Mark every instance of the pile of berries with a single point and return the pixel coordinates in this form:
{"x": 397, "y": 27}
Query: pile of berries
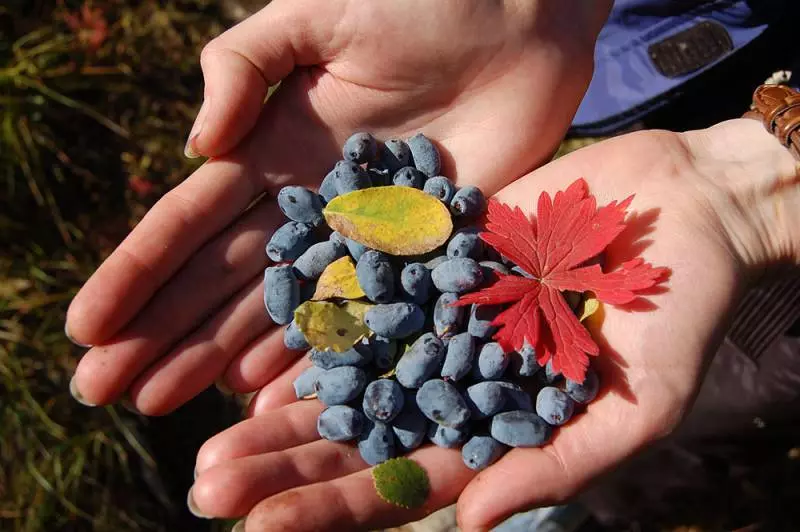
{"x": 428, "y": 369}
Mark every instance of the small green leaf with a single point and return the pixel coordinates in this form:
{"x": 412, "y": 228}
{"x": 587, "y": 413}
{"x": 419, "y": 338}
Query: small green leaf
{"x": 395, "y": 220}
{"x": 334, "y": 326}
{"x": 402, "y": 482}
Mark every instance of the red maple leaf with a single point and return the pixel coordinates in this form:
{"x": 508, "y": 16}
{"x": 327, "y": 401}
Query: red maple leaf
{"x": 569, "y": 230}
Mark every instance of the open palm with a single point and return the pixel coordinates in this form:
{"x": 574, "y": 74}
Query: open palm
{"x": 275, "y": 469}
{"x": 178, "y": 304}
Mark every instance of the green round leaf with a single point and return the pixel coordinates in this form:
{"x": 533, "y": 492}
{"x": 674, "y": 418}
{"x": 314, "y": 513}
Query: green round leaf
{"x": 402, "y": 482}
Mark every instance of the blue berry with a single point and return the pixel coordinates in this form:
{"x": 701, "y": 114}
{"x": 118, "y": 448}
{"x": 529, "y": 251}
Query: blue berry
{"x": 529, "y": 366}
{"x": 281, "y": 293}
{"x": 480, "y": 320}
{"x": 340, "y": 423}
{"x": 289, "y": 241}
{"x": 375, "y": 276}
{"x": 356, "y": 249}
{"x": 441, "y": 403}
{"x": 300, "y": 205}
{"x": 358, "y": 355}
{"x": 349, "y": 177}
{"x": 447, "y": 319}
{"x": 465, "y": 243}
{"x": 410, "y": 427}
{"x": 383, "y": 400}
{"x": 519, "y": 428}
{"x": 376, "y": 443}
{"x": 304, "y": 384}
{"x": 383, "y": 350}
{"x": 338, "y": 238}
{"x": 436, "y": 261}
{"x": 469, "y": 201}
{"x": 550, "y": 376}
{"x": 482, "y": 451}
{"x": 360, "y": 148}
{"x": 340, "y": 385}
{"x": 416, "y": 282}
{"x": 409, "y": 177}
{"x": 492, "y": 362}
{"x": 586, "y": 391}
{"x": 516, "y": 397}
{"x": 327, "y": 189}
{"x": 395, "y": 155}
{"x": 457, "y": 275}
{"x": 441, "y": 188}
{"x": 294, "y": 339}
{"x": 425, "y": 155}
{"x": 520, "y": 271}
{"x": 554, "y": 406}
{"x": 447, "y": 437}
{"x": 460, "y": 355}
{"x": 493, "y": 266}
{"x": 420, "y": 362}
{"x": 311, "y": 264}
{"x": 485, "y": 399}
{"x": 395, "y": 320}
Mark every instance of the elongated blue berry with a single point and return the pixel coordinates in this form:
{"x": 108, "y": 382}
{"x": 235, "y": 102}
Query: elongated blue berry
{"x": 376, "y": 276}
{"x": 586, "y": 391}
{"x": 410, "y": 427}
{"x": 395, "y": 155}
{"x": 416, "y": 282}
{"x": 465, "y": 243}
{"x": 441, "y": 402}
{"x": 447, "y": 437}
{"x": 519, "y": 428}
{"x": 356, "y": 249}
{"x": 383, "y": 400}
{"x": 528, "y": 365}
{"x": 358, "y": 355}
{"x": 338, "y": 238}
{"x": 311, "y": 264}
{"x": 294, "y": 339}
{"x": 480, "y": 320}
{"x": 409, "y": 177}
{"x": 492, "y": 362}
{"x": 395, "y": 320}
{"x": 516, "y": 397}
{"x": 340, "y": 423}
{"x": 485, "y": 399}
{"x": 494, "y": 266}
{"x": 436, "y": 261}
{"x": 447, "y": 319}
{"x": 482, "y": 451}
{"x": 425, "y": 155}
{"x": 300, "y": 205}
{"x": 457, "y": 275}
{"x": 360, "y": 148}
{"x": 376, "y": 443}
{"x": 420, "y": 362}
{"x": 327, "y": 189}
{"x": 554, "y": 406}
{"x": 441, "y": 188}
{"x": 550, "y": 376}
{"x": 340, "y": 385}
{"x": 304, "y": 384}
{"x": 383, "y": 350}
{"x": 520, "y": 271}
{"x": 469, "y": 201}
{"x": 459, "y": 358}
{"x": 281, "y": 293}
{"x": 349, "y": 177}
{"x": 289, "y": 241}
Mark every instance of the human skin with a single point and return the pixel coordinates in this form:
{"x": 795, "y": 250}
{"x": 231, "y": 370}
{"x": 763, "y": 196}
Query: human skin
{"x": 177, "y": 306}
{"x": 717, "y": 207}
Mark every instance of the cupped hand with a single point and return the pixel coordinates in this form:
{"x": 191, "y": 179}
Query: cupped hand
{"x": 274, "y": 469}
{"x": 178, "y": 304}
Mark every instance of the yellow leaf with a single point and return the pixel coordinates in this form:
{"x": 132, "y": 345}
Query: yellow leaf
{"x": 338, "y": 281}
{"x": 334, "y": 326}
{"x": 395, "y": 220}
{"x": 590, "y": 306}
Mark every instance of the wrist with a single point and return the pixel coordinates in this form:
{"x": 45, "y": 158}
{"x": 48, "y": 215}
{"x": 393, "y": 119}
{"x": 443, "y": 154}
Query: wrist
{"x": 752, "y": 185}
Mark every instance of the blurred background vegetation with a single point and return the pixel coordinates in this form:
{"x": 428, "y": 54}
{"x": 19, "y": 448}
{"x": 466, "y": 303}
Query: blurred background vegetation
{"x": 96, "y": 100}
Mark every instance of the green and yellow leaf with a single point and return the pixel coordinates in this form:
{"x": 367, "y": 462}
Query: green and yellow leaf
{"x": 334, "y": 326}
{"x": 589, "y": 307}
{"x": 402, "y": 482}
{"x": 339, "y": 281}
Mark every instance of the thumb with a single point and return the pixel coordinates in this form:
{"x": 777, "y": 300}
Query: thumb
{"x": 240, "y": 65}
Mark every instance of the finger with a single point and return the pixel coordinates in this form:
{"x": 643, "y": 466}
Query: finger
{"x": 242, "y": 63}
{"x": 174, "y": 228}
{"x": 216, "y": 272}
{"x": 279, "y": 392}
{"x": 273, "y": 431}
{"x": 351, "y": 503}
{"x": 199, "y": 359}
{"x": 259, "y": 363}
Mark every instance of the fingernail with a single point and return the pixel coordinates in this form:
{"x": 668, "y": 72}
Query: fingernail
{"x": 128, "y": 405}
{"x": 238, "y": 527}
{"x": 190, "y": 150}
{"x": 73, "y": 340}
{"x": 192, "y": 507}
{"x": 73, "y": 390}
{"x": 222, "y": 387}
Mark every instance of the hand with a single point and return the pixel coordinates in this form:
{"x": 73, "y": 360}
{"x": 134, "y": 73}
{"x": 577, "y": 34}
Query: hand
{"x": 699, "y": 197}
{"x": 178, "y": 304}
